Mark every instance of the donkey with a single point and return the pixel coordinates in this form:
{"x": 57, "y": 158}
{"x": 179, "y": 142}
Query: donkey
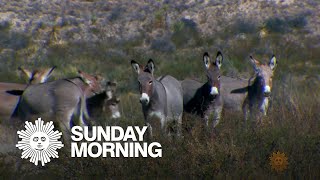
{"x": 161, "y": 98}
{"x": 111, "y": 107}
{"x": 63, "y": 101}
{"x": 105, "y": 103}
{"x": 204, "y": 99}
{"x": 9, "y": 92}
{"x": 259, "y": 88}
{"x": 232, "y": 102}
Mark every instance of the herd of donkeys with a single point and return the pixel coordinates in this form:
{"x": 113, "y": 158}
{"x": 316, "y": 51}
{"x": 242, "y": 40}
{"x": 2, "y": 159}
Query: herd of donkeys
{"x": 74, "y": 101}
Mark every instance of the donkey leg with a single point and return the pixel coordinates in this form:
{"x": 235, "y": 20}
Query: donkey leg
{"x": 179, "y": 126}
{"x": 149, "y": 129}
{"x": 163, "y": 126}
{"x": 65, "y": 122}
{"x": 245, "y": 110}
{"x": 216, "y": 116}
{"x": 65, "y": 132}
{"x": 264, "y": 106}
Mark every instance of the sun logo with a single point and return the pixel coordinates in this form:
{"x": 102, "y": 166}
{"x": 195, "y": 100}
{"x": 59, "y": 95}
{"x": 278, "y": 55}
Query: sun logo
{"x": 278, "y": 161}
{"x": 39, "y": 142}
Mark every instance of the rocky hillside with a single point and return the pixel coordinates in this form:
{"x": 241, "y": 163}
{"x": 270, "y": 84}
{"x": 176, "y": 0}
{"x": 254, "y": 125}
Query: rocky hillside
{"x": 99, "y": 20}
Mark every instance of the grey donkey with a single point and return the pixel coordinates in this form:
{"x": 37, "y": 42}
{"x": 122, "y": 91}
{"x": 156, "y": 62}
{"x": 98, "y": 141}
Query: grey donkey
{"x": 10, "y": 92}
{"x": 62, "y": 101}
{"x": 204, "y": 99}
{"x": 160, "y": 98}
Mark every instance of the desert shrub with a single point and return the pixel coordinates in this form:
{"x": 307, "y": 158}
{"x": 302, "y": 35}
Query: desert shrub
{"x": 297, "y": 22}
{"x": 243, "y": 26}
{"x": 116, "y": 14}
{"x": 162, "y": 45}
{"x": 185, "y": 33}
{"x": 286, "y": 24}
{"x": 4, "y": 26}
{"x": 160, "y": 17}
{"x": 277, "y": 25}
{"x": 14, "y": 40}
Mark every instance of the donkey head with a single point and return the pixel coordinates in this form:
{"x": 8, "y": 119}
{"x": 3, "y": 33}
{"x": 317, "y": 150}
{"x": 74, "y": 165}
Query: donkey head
{"x": 37, "y": 76}
{"x": 111, "y": 89}
{"x": 93, "y": 82}
{"x": 112, "y": 107}
{"x": 145, "y": 79}
{"x": 264, "y": 74}
{"x": 213, "y": 72}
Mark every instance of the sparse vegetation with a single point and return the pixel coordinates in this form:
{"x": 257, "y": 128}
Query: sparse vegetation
{"x": 235, "y": 151}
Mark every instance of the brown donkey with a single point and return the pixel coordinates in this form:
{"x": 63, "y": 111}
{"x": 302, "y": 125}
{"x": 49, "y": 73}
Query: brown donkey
{"x": 259, "y": 88}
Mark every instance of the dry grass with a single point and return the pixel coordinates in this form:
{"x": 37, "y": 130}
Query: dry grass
{"x": 233, "y": 151}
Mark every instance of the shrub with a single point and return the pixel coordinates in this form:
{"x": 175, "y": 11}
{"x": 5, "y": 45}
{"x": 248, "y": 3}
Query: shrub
{"x": 14, "y": 40}
{"x": 162, "y": 45}
{"x": 285, "y": 25}
{"x": 277, "y": 25}
{"x": 4, "y": 26}
{"x": 297, "y": 22}
{"x": 185, "y": 33}
{"x": 244, "y": 26}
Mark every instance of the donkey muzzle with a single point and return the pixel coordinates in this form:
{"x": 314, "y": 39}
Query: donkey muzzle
{"x": 144, "y": 99}
{"x": 116, "y": 115}
{"x": 267, "y": 91}
{"x": 214, "y": 91}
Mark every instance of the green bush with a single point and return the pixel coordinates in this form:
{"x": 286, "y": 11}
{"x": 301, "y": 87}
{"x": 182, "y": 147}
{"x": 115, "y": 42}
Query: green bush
{"x": 285, "y": 25}
{"x": 277, "y": 25}
{"x": 185, "y": 33}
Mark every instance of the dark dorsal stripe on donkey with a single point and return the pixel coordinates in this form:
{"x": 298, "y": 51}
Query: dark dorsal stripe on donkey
{"x": 259, "y": 88}
{"x": 204, "y": 99}
{"x": 160, "y": 98}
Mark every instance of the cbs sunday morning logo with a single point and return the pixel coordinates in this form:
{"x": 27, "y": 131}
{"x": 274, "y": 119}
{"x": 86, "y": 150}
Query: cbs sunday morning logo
{"x": 40, "y": 142}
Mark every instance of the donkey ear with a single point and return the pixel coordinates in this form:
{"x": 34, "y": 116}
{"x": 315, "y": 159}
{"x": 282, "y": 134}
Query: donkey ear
{"x": 206, "y": 60}
{"x": 99, "y": 78}
{"x": 219, "y": 59}
{"x": 273, "y": 62}
{"x": 85, "y": 77}
{"x": 135, "y": 66}
{"x": 47, "y": 73}
{"x": 254, "y": 63}
{"x": 151, "y": 66}
{"x": 28, "y": 73}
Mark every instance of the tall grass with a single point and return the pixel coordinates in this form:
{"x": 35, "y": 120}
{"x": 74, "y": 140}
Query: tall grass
{"x": 235, "y": 151}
